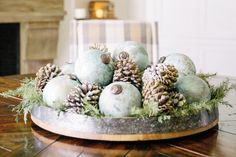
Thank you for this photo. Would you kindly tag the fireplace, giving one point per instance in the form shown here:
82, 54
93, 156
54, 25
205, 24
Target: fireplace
9, 49
31, 40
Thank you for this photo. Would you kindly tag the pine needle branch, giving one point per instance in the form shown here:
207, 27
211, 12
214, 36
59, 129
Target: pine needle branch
30, 97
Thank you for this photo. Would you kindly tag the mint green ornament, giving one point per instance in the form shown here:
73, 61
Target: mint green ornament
136, 51
118, 98
57, 89
193, 88
94, 66
182, 63
68, 68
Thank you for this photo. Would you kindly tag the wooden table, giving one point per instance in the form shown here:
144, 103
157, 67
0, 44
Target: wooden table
18, 139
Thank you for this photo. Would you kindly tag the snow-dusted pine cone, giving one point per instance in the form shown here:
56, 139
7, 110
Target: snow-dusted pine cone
163, 73
127, 71
45, 74
81, 93
157, 93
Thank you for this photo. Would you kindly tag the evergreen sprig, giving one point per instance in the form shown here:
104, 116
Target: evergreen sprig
90, 110
30, 97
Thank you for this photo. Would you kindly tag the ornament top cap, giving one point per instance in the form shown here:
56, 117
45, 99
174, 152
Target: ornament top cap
116, 89
123, 55
162, 59
106, 58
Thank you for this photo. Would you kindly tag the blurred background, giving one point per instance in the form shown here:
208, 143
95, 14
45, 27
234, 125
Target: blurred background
205, 30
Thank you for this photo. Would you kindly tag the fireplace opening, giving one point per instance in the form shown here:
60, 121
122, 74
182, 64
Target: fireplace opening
9, 49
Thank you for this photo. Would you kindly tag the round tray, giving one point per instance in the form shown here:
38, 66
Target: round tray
122, 129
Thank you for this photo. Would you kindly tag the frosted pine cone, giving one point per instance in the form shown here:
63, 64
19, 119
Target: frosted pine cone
163, 73
127, 71
45, 74
157, 93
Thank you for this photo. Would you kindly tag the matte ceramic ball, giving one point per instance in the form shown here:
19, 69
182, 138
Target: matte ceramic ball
193, 88
136, 51
182, 63
95, 67
118, 98
67, 68
57, 90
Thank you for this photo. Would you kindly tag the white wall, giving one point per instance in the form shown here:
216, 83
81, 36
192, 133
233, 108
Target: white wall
203, 29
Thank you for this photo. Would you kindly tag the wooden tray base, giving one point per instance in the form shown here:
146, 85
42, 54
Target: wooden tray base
122, 129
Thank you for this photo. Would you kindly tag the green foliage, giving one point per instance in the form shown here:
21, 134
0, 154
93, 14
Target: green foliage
205, 77
30, 97
90, 110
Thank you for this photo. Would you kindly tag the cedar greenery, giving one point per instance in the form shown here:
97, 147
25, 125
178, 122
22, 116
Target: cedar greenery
31, 98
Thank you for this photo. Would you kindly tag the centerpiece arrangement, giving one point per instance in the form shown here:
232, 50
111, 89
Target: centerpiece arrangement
118, 96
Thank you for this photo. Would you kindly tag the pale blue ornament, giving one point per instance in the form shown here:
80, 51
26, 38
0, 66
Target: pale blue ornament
182, 63
193, 88
136, 51
57, 89
118, 98
94, 66
68, 68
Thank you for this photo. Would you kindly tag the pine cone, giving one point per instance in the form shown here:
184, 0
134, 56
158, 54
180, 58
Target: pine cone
85, 92
100, 47
164, 73
177, 99
45, 74
155, 92
127, 71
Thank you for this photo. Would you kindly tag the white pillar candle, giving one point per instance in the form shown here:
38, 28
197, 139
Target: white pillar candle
80, 13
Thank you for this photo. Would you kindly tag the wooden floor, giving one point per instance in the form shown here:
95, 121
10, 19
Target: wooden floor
18, 139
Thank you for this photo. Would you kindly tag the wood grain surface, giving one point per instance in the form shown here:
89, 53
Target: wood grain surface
19, 139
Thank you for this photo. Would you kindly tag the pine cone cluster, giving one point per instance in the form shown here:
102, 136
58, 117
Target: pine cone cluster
127, 71
155, 92
157, 88
164, 73
86, 92
45, 74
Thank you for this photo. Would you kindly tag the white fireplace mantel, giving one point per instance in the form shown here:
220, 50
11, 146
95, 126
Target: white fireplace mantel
39, 22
